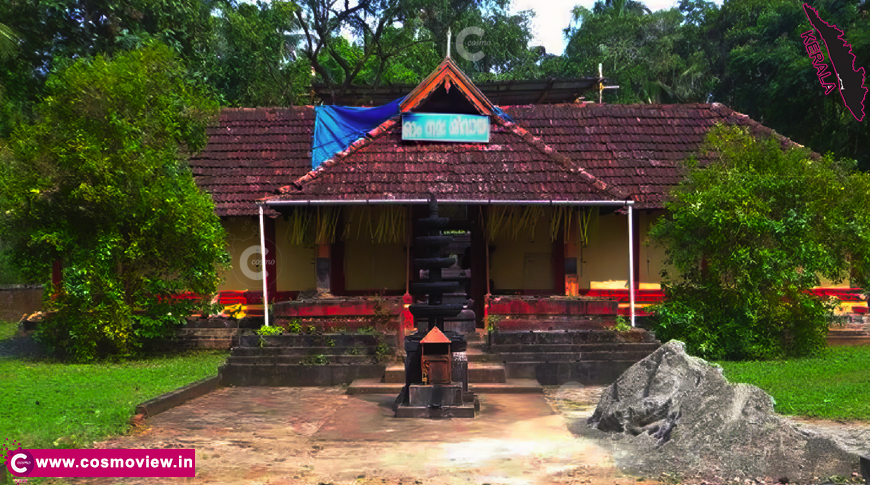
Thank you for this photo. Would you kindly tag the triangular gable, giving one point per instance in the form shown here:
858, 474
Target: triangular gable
448, 74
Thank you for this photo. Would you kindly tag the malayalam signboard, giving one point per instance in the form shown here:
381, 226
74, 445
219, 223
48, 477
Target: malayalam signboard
445, 127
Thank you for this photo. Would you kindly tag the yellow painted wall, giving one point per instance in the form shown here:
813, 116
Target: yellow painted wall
525, 263
370, 266
652, 255
295, 264
604, 261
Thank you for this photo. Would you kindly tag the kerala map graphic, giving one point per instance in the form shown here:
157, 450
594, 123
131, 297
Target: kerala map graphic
849, 79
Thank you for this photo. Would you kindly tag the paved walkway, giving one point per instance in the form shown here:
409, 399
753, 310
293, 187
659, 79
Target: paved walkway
257, 435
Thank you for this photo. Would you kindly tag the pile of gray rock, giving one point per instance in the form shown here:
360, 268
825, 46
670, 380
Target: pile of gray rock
677, 414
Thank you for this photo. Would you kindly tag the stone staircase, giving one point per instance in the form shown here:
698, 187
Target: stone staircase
589, 357
525, 361
306, 360
852, 334
486, 374
206, 338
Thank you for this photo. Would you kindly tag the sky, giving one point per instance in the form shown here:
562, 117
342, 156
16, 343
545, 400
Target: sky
552, 16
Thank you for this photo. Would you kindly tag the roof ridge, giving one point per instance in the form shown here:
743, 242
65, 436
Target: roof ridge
731, 116
561, 159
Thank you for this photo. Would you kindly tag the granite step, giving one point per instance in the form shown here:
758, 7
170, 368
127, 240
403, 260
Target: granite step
510, 386
207, 332
848, 341
477, 373
300, 351
206, 343
570, 347
273, 360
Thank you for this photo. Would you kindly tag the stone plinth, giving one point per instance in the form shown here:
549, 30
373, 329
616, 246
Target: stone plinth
437, 395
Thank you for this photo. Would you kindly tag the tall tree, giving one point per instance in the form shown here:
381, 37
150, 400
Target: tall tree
652, 57
765, 71
49, 32
99, 182
255, 59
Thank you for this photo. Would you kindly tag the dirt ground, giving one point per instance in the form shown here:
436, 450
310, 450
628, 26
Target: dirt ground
259, 435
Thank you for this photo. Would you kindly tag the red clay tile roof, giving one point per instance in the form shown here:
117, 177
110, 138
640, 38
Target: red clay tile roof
513, 165
251, 153
634, 147
586, 152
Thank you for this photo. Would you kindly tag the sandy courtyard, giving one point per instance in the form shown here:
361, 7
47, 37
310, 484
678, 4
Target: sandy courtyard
259, 435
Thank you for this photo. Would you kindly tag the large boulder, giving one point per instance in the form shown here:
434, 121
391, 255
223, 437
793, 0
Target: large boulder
674, 413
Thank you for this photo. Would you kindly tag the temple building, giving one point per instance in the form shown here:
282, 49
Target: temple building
545, 200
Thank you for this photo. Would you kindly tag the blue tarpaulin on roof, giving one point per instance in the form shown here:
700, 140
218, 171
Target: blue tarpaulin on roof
336, 127
501, 113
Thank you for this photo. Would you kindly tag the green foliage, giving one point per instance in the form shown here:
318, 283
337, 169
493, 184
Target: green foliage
749, 234
382, 351
7, 329
318, 359
270, 330
254, 61
652, 57
622, 324
831, 385
99, 182
47, 404
765, 71
491, 323
294, 326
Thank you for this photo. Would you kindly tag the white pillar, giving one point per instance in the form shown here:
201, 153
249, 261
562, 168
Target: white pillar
263, 266
631, 261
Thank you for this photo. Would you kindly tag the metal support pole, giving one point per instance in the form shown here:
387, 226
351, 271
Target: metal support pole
631, 262
263, 266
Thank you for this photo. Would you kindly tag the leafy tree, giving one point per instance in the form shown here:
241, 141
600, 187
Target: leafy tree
403, 40
255, 61
99, 182
749, 234
8, 41
653, 57
51, 32
765, 71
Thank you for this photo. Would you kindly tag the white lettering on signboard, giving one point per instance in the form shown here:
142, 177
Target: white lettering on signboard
411, 129
436, 129
446, 127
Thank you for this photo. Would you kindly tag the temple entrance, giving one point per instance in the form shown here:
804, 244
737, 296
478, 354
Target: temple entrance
467, 249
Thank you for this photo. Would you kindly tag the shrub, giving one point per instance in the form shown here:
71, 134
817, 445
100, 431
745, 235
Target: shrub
99, 181
749, 234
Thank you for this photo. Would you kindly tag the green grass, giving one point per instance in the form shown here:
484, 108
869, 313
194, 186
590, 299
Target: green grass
48, 404
7, 329
834, 385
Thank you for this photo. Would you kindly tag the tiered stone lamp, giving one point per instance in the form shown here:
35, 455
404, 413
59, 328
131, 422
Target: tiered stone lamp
436, 371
